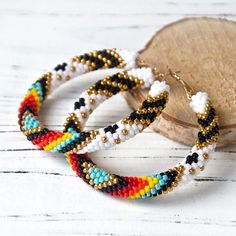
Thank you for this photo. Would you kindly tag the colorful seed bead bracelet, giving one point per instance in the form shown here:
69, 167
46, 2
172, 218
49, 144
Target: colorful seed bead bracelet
164, 182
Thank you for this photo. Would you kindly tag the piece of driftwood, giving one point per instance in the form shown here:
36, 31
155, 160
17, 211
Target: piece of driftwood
204, 50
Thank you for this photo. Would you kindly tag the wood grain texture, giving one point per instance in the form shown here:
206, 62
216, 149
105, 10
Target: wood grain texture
39, 194
203, 50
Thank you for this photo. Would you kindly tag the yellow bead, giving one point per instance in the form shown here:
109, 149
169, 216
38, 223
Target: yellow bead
147, 189
151, 185
59, 140
155, 180
142, 192
144, 177
149, 179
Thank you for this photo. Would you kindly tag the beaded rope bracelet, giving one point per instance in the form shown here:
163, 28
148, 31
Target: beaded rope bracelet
164, 182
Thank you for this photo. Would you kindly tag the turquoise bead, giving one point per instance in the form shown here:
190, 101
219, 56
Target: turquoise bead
157, 186
159, 177
165, 177
98, 174
153, 191
101, 180
106, 178
161, 182
92, 175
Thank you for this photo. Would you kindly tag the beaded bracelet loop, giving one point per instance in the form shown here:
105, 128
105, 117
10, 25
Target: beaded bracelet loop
164, 182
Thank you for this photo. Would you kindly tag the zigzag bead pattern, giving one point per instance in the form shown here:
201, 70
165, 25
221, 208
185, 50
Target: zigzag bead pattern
164, 182
74, 139
126, 128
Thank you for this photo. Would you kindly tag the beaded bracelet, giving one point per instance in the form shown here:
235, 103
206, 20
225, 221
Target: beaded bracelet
164, 182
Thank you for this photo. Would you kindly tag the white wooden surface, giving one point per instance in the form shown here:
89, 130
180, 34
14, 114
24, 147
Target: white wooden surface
39, 193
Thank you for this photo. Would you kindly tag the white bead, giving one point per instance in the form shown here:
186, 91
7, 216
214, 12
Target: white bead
115, 135
158, 88
122, 137
109, 134
111, 141
198, 102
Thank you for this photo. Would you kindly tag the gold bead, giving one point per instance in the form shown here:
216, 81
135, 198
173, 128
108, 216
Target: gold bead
114, 84
130, 122
143, 122
170, 189
192, 171
125, 87
91, 182
125, 132
85, 164
174, 184
111, 177
181, 168
117, 141
100, 186
72, 69
84, 115
93, 64
87, 139
68, 77
59, 77
206, 156
92, 101
88, 176
104, 139
202, 168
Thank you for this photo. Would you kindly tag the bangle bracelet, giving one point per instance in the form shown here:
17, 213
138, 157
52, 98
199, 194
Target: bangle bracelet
162, 183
